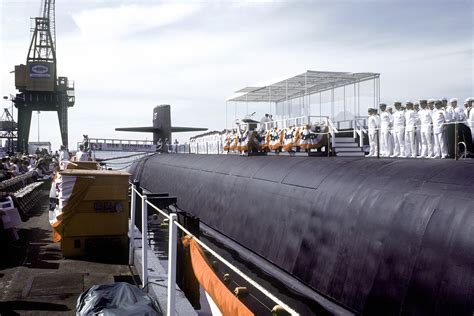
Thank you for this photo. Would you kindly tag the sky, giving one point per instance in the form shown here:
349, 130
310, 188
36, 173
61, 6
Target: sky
126, 57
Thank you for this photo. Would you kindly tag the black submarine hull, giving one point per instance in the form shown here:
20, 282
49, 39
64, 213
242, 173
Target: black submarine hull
381, 236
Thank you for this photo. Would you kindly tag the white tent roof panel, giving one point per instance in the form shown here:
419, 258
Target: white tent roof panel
310, 82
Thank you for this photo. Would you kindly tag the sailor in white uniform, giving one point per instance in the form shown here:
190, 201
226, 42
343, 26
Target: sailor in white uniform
439, 130
417, 130
451, 115
410, 118
460, 113
470, 115
373, 124
265, 120
444, 101
398, 131
385, 126
63, 157
431, 107
390, 137
426, 130
81, 155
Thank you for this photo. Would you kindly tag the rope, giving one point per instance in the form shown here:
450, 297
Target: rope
240, 273
224, 261
121, 163
123, 157
123, 167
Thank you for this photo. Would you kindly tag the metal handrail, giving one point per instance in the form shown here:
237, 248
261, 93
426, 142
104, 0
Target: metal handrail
172, 244
332, 127
360, 130
284, 123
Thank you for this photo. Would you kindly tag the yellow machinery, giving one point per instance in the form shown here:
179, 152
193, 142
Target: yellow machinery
94, 215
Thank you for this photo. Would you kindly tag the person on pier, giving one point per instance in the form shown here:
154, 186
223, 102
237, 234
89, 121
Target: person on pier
63, 157
373, 124
386, 122
439, 131
411, 117
81, 154
398, 131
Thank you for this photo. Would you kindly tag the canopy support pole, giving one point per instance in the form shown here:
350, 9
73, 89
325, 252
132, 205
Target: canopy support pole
344, 103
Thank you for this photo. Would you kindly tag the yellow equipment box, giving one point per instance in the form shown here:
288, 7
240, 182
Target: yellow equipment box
95, 215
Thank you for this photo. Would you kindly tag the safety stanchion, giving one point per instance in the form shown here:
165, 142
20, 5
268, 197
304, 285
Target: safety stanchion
144, 241
172, 242
132, 225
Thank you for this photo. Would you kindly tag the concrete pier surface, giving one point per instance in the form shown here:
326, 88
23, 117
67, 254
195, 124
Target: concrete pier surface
35, 278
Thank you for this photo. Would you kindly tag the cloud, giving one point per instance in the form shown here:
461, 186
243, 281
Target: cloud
127, 58
116, 22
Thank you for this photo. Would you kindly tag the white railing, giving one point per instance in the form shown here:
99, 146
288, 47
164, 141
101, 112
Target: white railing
332, 133
293, 121
359, 128
211, 144
172, 244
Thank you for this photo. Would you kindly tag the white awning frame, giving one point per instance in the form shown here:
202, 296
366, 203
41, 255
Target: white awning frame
310, 82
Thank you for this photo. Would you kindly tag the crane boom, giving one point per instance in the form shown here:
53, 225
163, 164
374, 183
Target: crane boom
50, 14
43, 41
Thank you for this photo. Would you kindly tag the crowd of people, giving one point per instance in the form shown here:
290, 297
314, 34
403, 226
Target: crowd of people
41, 163
15, 164
425, 129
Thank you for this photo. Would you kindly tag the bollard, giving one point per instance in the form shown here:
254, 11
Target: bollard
171, 301
132, 225
144, 241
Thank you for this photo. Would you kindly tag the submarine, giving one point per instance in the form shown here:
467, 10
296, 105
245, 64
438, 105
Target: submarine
161, 128
377, 236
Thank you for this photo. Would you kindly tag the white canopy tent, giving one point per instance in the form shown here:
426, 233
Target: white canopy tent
302, 95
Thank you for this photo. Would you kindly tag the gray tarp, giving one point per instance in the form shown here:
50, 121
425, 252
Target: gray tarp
118, 299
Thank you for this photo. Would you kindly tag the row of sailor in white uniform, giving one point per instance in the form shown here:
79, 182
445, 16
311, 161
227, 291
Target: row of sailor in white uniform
418, 130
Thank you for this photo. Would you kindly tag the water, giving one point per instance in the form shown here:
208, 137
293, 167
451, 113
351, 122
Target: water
121, 164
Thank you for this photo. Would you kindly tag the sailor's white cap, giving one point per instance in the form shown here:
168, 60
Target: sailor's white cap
453, 100
469, 99
431, 100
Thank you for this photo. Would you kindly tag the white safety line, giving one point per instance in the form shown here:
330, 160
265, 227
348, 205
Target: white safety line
160, 211
236, 270
227, 263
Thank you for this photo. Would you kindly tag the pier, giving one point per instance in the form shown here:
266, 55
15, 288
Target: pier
109, 144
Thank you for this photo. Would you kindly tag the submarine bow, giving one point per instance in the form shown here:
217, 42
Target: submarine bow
382, 236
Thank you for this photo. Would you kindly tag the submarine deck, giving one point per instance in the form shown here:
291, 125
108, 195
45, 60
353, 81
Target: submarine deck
35, 279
